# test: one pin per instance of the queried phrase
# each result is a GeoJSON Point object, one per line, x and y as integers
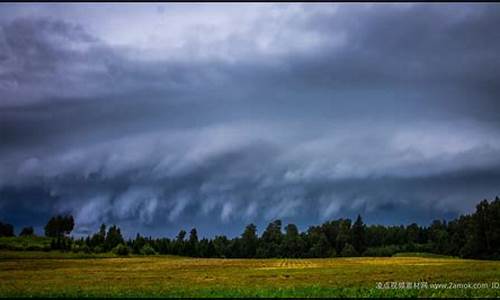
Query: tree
{"type": "Point", "coordinates": [179, 244]}
{"type": "Point", "coordinates": [147, 250]}
{"type": "Point", "coordinates": [249, 241]}
{"type": "Point", "coordinates": [321, 247]}
{"type": "Point", "coordinates": [375, 235]}
{"type": "Point", "coordinates": [493, 216]}
{"type": "Point", "coordinates": [62, 243]}
{"type": "Point", "coordinates": [98, 239]}
{"type": "Point", "coordinates": [358, 235]}
{"type": "Point", "coordinates": [27, 231]}
{"type": "Point", "coordinates": [113, 238]}
{"type": "Point", "coordinates": [349, 251]}
{"type": "Point", "coordinates": [292, 245]}
{"type": "Point", "coordinates": [413, 233]}
{"type": "Point", "coordinates": [482, 231]}
{"type": "Point", "coordinates": [457, 236]}
{"type": "Point", "coordinates": [331, 231]}
{"type": "Point", "coordinates": [69, 224]}
{"type": "Point", "coordinates": [192, 246]}
{"type": "Point", "coordinates": [481, 227]}
{"type": "Point", "coordinates": [221, 246]}
{"type": "Point", "coordinates": [271, 240]}
{"type": "Point", "coordinates": [138, 243]}
{"type": "Point", "coordinates": [6, 229]}
{"type": "Point", "coordinates": [206, 248]}
{"type": "Point", "coordinates": [121, 250]}
{"type": "Point", "coordinates": [163, 246]}
{"type": "Point", "coordinates": [438, 235]}
{"type": "Point", "coordinates": [234, 248]}
{"type": "Point", "coordinates": [343, 236]}
{"type": "Point", "coordinates": [59, 226]}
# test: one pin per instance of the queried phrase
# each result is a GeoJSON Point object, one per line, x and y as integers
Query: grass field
{"type": "Point", "coordinates": [56, 274]}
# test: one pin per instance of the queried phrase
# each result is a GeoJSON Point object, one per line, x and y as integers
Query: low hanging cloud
{"type": "Point", "coordinates": [254, 112]}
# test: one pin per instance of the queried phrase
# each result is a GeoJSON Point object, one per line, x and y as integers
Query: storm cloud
{"type": "Point", "coordinates": [157, 117]}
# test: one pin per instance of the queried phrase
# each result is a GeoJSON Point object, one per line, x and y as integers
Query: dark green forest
{"type": "Point", "coordinates": [475, 235]}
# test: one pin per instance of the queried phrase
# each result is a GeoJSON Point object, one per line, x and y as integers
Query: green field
{"type": "Point", "coordinates": [56, 274]}
{"type": "Point", "coordinates": [30, 243]}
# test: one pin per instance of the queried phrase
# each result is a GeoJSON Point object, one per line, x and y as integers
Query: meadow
{"type": "Point", "coordinates": [55, 274]}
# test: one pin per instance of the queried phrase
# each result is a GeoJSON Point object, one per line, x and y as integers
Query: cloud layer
{"type": "Point", "coordinates": [157, 117]}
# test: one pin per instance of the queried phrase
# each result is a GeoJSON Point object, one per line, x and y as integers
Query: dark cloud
{"type": "Point", "coordinates": [301, 112]}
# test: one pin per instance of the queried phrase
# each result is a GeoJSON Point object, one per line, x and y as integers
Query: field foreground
{"type": "Point", "coordinates": [48, 274]}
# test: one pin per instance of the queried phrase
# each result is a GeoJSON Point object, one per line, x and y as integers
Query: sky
{"type": "Point", "coordinates": [161, 117]}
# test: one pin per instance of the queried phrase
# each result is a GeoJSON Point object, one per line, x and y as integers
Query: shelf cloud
{"type": "Point", "coordinates": [158, 117]}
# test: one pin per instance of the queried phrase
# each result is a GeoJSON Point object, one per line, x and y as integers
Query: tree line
{"type": "Point", "coordinates": [8, 230]}
{"type": "Point", "coordinates": [475, 235]}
